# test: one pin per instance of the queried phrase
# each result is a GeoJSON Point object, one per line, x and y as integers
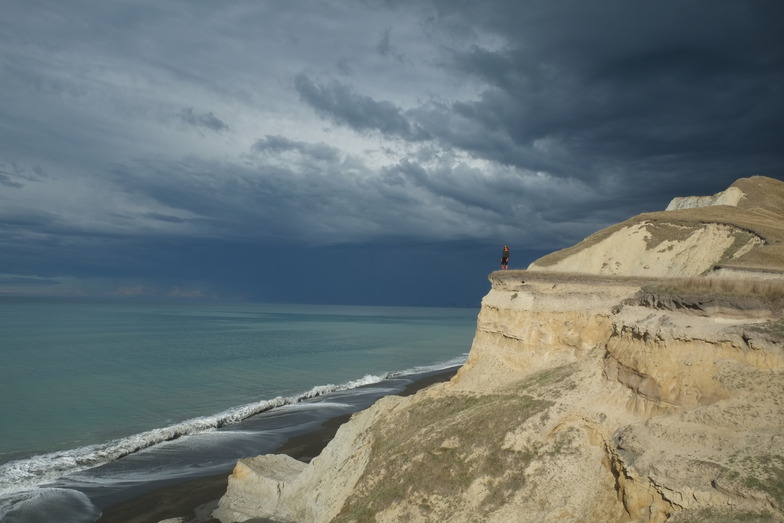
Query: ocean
{"type": "Point", "coordinates": [103, 401]}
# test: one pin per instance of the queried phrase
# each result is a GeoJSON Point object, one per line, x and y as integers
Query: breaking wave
{"type": "Point", "coordinates": [70, 506]}
{"type": "Point", "coordinates": [21, 475]}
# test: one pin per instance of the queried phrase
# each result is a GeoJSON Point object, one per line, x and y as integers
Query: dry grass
{"type": "Point", "coordinates": [555, 257]}
{"type": "Point", "coordinates": [764, 257]}
{"type": "Point", "coordinates": [721, 516]}
{"type": "Point", "coordinates": [761, 192]}
{"type": "Point", "coordinates": [751, 297]}
{"type": "Point", "coordinates": [660, 232]}
{"type": "Point", "coordinates": [679, 225]}
{"type": "Point", "coordinates": [692, 285]}
{"type": "Point", "coordinates": [753, 475]}
{"type": "Point", "coordinates": [763, 473]}
{"type": "Point", "coordinates": [768, 476]}
{"type": "Point", "coordinates": [768, 290]}
{"type": "Point", "coordinates": [437, 448]}
{"type": "Point", "coordinates": [744, 294]}
{"type": "Point", "coordinates": [519, 276]}
{"type": "Point", "coordinates": [760, 213]}
{"type": "Point", "coordinates": [768, 225]}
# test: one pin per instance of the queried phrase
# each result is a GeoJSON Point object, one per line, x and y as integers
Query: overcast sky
{"type": "Point", "coordinates": [361, 151]}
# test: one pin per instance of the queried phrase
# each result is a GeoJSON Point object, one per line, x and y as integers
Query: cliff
{"type": "Point", "coordinates": [598, 395]}
{"type": "Point", "coordinates": [741, 236]}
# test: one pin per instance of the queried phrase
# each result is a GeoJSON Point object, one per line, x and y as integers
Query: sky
{"type": "Point", "coordinates": [375, 152]}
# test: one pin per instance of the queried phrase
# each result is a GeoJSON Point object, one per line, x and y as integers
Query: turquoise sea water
{"type": "Point", "coordinates": [96, 395]}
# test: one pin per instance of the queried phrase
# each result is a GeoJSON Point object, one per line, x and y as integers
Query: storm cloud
{"type": "Point", "coordinates": [207, 120]}
{"type": "Point", "coordinates": [341, 104]}
{"type": "Point", "coordinates": [208, 149]}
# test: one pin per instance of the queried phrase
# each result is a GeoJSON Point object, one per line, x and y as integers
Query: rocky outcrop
{"type": "Point", "coordinates": [585, 397]}
{"type": "Point", "coordinates": [285, 490]}
{"type": "Point", "coordinates": [731, 197]}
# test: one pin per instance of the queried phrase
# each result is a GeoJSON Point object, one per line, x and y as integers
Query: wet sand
{"type": "Point", "coordinates": [194, 500]}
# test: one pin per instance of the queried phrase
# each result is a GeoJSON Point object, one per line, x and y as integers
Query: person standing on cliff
{"type": "Point", "coordinates": [505, 258]}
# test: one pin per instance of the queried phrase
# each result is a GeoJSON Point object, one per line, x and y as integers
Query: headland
{"type": "Point", "coordinates": [636, 376]}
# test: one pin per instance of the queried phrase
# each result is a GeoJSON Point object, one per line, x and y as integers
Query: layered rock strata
{"type": "Point", "coordinates": [582, 399]}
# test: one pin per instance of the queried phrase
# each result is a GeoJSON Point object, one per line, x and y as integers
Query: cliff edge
{"type": "Point", "coordinates": [610, 393]}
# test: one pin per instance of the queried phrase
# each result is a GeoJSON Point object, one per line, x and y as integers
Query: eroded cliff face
{"type": "Point", "coordinates": [738, 233]}
{"type": "Point", "coordinates": [584, 397]}
{"type": "Point", "coordinates": [582, 400]}
{"type": "Point", "coordinates": [655, 248]}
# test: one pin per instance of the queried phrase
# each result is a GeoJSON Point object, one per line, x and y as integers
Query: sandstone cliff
{"type": "Point", "coordinates": [586, 397]}
{"type": "Point", "coordinates": [736, 233]}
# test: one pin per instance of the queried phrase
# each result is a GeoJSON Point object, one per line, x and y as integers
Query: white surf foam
{"type": "Point", "coordinates": [22, 475]}
{"type": "Point", "coordinates": [454, 362]}
{"type": "Point", "coordinates": [39, 505]}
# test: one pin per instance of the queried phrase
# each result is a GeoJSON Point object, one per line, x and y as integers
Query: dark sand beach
{"type": "Point", "coordinates": [194, 500]}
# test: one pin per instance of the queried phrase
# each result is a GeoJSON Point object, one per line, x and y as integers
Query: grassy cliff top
{"type": "Point", "coordinates": [759, 212]}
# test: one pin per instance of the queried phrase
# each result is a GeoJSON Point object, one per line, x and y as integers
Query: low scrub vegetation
{"type": "Point", "coordinates": [721, 516]}
{"type": "Point", "coordinates": [769, 293]}
{"type": "Point", "coordinates": [438, 448]}
{"type": "Point", "coordinates": [764, 473]}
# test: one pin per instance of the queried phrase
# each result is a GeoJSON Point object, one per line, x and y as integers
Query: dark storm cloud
{"type": "Point", "coordinates": [208, 120]}
{"type": "Point", "coordinates": [8, 179]}
{"type": "Point", "coordinates": [625, 86]}
{"type": "Point", "coordinates": [341, 104]}
{"type": "Point", "coordinates": [16, 176]}
{"type": "Point", "coordinates": [313, 193]}
{"type": "Point", "coordinates": [614, 93]}
{"type": "Point", "coordinates": [276, 145]}
{"type": "Point", "coordinates": [181, 139]}
{"type": "Point", "coordinates": [386, 49]}
{"type": "Point", "coordinates": [164, 217]}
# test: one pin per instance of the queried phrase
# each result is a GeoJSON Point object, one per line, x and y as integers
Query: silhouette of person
{"type": "Point", "coordinates": [505, 258]}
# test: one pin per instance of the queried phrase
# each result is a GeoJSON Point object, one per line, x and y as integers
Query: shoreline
{"type": "Point", "coordinates": [194, 500]}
